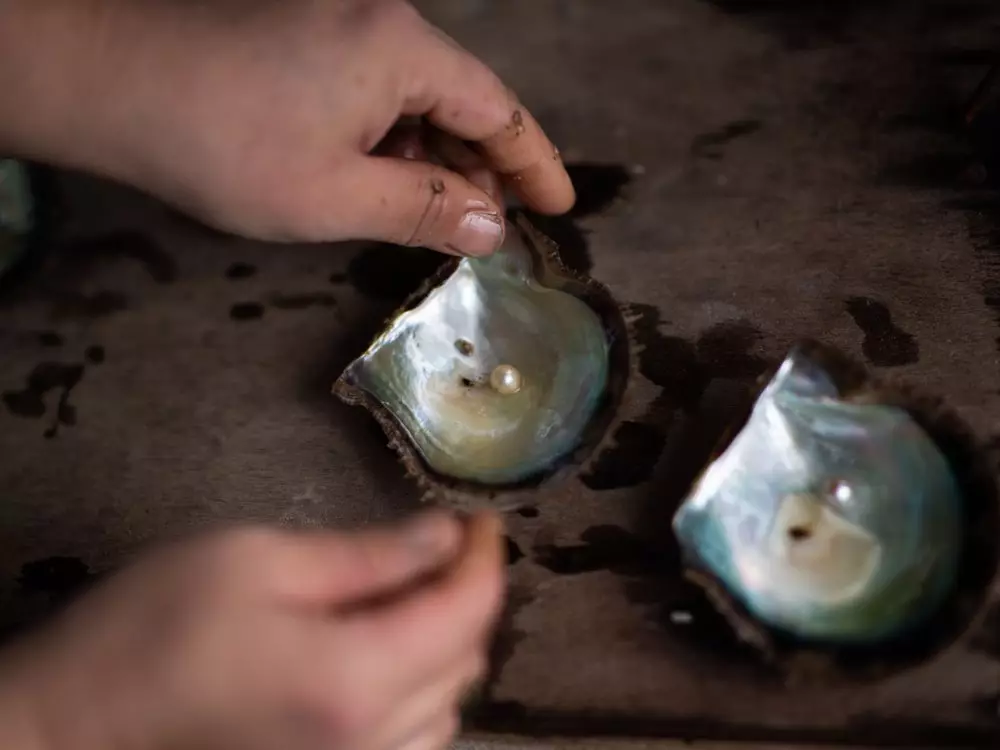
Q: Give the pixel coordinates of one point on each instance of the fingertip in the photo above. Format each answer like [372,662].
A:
[425,205]
[483,565]
[483,530]
[433,535]
[545,188]
[491,523]
[479,233]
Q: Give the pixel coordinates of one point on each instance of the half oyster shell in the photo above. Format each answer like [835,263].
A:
[500,374]
[845,514]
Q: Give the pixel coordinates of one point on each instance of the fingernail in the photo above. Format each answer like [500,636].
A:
[479,233]
[432,535]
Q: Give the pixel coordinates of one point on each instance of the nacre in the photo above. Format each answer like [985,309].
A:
[831,516]
[500,373]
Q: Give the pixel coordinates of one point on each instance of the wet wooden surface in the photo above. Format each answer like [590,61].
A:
[749,173]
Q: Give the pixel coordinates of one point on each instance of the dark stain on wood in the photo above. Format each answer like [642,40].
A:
[885,343]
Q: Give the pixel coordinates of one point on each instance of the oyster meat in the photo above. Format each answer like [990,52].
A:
[495,372]
[829,518]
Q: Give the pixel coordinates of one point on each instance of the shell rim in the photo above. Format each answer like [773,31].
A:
[35,244]
[548,268]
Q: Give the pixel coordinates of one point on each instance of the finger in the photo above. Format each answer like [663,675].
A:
[420,141]
[438,624]
[472,166]
[329,569]
[461,95]
[410,717]
[418,204]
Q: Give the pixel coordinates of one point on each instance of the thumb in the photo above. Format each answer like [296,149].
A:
[415,203]
[341,569]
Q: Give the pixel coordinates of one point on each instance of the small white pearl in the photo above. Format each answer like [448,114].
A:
[505,379]
[843,492]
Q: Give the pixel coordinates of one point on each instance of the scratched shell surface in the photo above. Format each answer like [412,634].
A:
[493,376]
[829,520]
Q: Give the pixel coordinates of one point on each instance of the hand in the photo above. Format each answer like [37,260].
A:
[261,116]
[258,639]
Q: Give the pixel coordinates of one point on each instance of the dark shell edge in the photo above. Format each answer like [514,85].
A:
[47,206]
[618,322]
[958,617]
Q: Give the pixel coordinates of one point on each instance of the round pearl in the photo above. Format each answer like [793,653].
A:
[505,379]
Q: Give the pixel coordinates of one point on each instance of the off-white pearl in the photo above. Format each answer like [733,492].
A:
[505,379]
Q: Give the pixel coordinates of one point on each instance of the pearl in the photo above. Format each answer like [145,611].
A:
[843,492]
[505,379]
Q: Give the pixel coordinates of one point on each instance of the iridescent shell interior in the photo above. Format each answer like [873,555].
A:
[496,372]
[831,518]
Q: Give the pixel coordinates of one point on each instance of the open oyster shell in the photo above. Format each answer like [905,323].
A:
[499,375]
[847,517]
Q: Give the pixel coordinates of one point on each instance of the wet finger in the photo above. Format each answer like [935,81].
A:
[462,96]
[415,204]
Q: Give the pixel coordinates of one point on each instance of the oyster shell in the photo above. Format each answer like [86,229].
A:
[844,513]
[16,212]
[502,373]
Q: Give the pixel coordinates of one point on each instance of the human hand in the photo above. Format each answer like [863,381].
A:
[265,640]
[261,116]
